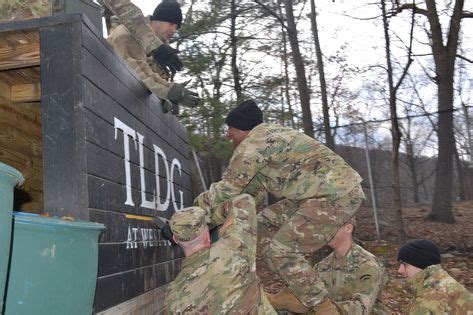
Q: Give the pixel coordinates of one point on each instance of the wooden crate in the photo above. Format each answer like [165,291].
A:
[20,114]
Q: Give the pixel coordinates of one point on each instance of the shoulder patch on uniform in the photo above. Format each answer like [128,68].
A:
[365,277]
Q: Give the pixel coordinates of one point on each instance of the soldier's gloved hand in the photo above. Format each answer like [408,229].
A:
[167,106]
[327,308]
[166,233]
[286,300]
[180,95]
[167,58]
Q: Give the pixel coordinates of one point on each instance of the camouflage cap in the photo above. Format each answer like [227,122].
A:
[188,223]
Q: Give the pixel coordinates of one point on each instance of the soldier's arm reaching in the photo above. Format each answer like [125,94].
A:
[238,231]
[244,165]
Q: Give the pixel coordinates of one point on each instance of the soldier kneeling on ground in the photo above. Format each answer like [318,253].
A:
[218,278]
[353,278]
[434,290]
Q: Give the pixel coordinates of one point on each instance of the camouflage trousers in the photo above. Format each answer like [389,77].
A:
[288,231]
[24,9]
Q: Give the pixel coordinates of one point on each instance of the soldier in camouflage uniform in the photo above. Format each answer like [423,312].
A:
[434,290]
[143,44]
[352,276]
[319,192]
[218,278]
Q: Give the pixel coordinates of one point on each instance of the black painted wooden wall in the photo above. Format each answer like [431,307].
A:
[92,104]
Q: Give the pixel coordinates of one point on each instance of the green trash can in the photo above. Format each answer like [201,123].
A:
[53,266]
[9,178]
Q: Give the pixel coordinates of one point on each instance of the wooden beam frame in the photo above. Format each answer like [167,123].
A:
[21,93]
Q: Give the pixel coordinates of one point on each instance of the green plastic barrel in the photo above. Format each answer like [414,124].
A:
[53,267]
[9,178]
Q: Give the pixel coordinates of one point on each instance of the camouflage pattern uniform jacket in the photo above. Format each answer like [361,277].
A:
[134,40]
[222,279]
[285,162]
[436,292]
[354,281]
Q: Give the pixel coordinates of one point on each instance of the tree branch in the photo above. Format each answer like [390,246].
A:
[464,58]
[409,55]
[408,6]
[270,11]
[467,14]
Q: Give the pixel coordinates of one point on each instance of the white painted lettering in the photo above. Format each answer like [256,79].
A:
[161,206]
[127,133]
[175,162]
[150,204]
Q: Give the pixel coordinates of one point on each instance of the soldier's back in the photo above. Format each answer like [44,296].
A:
[439,293]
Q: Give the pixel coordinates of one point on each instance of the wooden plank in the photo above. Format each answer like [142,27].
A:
[100,127]
[110,167]
[19,49]
[116,194]
[5,90]
[20,76]
[120,287]
[130,243]
[26,93]
[65,185]
[21,148]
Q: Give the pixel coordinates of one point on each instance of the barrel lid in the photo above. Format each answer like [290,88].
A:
[36,219]
[13,172]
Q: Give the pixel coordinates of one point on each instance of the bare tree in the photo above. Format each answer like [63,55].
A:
[395,131]
[234,45]
[444,57]
[304,93]
[329,140]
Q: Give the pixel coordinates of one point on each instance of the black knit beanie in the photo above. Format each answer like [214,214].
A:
[168,11]
[419,253]
[245,116]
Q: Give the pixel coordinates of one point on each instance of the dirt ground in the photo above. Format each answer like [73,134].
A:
[455,242]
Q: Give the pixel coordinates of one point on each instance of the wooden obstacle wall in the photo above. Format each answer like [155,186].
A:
[94,144]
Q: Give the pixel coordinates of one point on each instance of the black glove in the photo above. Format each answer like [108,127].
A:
[167,58]
[180,95]
[167,234]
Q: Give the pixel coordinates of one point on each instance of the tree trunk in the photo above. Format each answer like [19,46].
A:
[395,132]
[412,165]
[461,179]
[444,57]
[304,94]
[285,56]
[233,43]
[329,140]
[468,130]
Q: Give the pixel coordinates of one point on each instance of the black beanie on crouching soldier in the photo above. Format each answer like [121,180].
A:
[419,253]
[168,11]
[245,116]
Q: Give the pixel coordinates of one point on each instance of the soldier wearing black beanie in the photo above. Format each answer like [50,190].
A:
[433,290]
[168,11]
[245,116]
[419,253]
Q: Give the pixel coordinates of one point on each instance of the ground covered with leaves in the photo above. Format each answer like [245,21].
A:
[455,242]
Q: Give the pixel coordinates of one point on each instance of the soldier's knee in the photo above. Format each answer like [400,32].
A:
[244,201]
[275,251]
